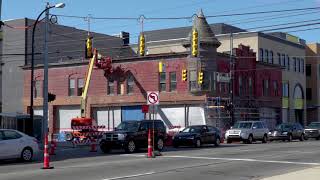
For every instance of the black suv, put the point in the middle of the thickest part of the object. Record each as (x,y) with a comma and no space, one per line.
(131,135)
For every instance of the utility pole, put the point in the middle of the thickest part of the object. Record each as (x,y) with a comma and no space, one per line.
(231,72)
(45,74)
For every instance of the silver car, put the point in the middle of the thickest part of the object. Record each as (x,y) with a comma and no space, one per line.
(247,132)
(313,130)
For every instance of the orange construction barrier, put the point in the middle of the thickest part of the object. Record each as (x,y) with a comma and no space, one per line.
(150,153)
(93,145)
(46,158)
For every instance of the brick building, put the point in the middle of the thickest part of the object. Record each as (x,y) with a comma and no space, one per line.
(112,99)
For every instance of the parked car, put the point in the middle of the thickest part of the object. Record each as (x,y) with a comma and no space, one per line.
(197,135)
(132,135)
(15,144)
(313,130)
(287,131)
(247,132)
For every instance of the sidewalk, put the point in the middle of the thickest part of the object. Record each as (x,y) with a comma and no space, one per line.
(307,174)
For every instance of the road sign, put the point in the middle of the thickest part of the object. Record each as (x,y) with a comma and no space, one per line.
(145,108)
(153,98)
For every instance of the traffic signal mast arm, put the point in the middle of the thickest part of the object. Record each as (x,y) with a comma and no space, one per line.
(87,83)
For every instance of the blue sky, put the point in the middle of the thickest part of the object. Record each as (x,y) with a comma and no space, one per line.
(13,9)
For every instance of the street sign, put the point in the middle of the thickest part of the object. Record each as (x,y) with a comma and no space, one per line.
(145,108)
(223,77)
(153,97)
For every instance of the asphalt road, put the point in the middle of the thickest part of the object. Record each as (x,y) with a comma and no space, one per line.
(230,161)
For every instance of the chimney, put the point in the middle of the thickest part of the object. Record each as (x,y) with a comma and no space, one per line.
(125,36)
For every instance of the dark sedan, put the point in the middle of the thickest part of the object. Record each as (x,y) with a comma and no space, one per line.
(287,131)
(313,130)
(197,135)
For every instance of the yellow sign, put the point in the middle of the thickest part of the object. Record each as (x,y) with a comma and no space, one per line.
(292,38)
(298,103)
(285,102)
(162,66)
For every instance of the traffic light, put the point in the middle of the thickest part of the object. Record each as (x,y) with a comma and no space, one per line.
(51,97)
(184,75)
(200,77)
(142,45)
(194,43)
(88,49)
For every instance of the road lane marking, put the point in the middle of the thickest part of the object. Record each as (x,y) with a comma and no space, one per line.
(247,160)
(131,176)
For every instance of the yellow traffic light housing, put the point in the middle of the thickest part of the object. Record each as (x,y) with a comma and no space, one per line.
(184,75)
(88,50)
(141,45)
(200,77)
(195,41)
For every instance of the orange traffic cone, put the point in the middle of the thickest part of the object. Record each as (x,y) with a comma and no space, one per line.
(46,158)
(150,153)
(93,145)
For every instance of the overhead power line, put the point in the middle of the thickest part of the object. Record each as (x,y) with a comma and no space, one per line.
(189,17)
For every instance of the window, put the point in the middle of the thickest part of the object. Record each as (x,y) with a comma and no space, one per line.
(308,70)
(220,87)
(240,86)
(110,90)
(283,60)
(173,81)
(271,57)
(206,81)
(295,64)
(288,62)
(266,55)
(72,87)
(250,86)
(285,89)
(261,54)
(298,64)
(275,88)
(120,88)
(213,78)
(302,65)
(309,93)
(162,81)
(80,86)
(193,80)
(130,84)
(11,135)
(37,90)
(265,88)
(279,58)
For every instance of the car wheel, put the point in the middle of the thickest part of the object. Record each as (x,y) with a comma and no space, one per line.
(265,139)
(27,154)
(197,144)
(229,141)
(131,147)
(160,144)
(290,138)
(302,137)
(217,142)
(318,138)
(104,148)
(250,139)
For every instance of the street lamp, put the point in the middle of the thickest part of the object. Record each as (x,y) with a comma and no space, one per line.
(59,5)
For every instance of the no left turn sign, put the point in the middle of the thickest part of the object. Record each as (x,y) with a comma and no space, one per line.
(153,98)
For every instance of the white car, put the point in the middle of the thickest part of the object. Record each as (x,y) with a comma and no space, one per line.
(15,144)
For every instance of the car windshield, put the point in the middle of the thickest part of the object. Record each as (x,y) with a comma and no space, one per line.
(283,127)
(314,125)
(128,126)
(195,129)
(243,125)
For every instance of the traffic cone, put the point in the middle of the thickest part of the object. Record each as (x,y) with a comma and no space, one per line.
(46,158)
(93,145)
(150,153)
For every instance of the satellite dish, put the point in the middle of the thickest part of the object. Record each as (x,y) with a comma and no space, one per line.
(54,19)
